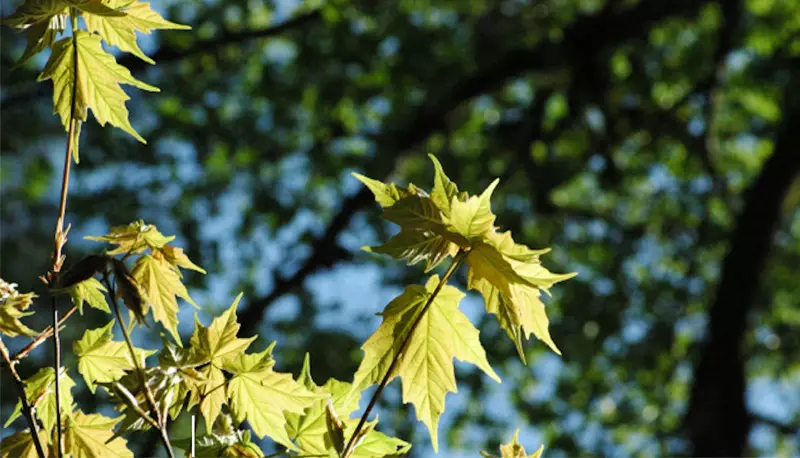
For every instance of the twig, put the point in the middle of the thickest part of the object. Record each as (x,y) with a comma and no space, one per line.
(450,271)
(27,410)
(40,339)
(160,420)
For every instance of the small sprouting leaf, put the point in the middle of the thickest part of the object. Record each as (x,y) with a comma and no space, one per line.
(416,246)
(98,90)
(426,365)
(514,450)
(40,391)
(90,436)
(12,308)
(473,218)
(161,284)
(335,427)
(100,359)
(444,190)
(385,194)
(20,445)
(130,291)
(90,291)
(83,270)
(218,341)
(264,397)
(120,30)
(169,392)
(134,238)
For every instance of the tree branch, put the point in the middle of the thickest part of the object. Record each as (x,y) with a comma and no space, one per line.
(717,420)
(582,40)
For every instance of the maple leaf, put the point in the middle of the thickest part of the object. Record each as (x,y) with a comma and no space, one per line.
(134,238)
(91,436)
(509,277)
(211,395)
(40,391)
(426,365)
(472,218)
(120,30)
(162,285)
(100,359)
(263,397)
(444,190)
(20,445)
(98,90)
(91,292)
(177,258)
(236,444)
(416,246)
(385,194)
(167,385)
(12,308)
(42,20)
(312,433)
(218,341)
(514,450)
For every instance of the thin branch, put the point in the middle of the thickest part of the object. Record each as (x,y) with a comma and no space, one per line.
(160,419)
(27,409)
(40,339)
(783,428)
(400,350)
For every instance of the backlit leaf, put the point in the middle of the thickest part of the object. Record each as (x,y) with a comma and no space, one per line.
(87,436)
(473,218)
(41,393)
(444,190)
(218,341)
(120,31)
(91,292)
(426,365)
(12,308)
(161,284)
(416,246)
(134,238)
(264,397)
(98,90)
(20,445)
(514,450)
(100,359)
(385,194)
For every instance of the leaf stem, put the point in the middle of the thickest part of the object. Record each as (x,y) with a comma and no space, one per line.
(160,420)
(385,381)
(27,410)
(40,339)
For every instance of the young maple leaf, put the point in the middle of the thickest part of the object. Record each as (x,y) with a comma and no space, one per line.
(426,364)
(515,450)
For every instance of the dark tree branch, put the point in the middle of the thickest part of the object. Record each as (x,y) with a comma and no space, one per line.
(24,96)
(717,420)
(582,41)
(783,428)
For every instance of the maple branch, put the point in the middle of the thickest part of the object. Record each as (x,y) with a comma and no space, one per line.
(27,409)
(399,354)
(160,420)
(582,41)
(39,339)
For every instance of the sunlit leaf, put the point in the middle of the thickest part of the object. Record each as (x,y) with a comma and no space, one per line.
(162,285)
(98,90)
(514,450)
(134,238)
(90,436)
(12,308)
(100,359)
(41,393)
(91,292)
(426,365)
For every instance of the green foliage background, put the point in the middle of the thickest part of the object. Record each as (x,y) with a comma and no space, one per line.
(626,135)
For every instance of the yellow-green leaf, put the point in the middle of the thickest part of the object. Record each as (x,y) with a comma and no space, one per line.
(416,246)
(385,194)
(416,212)
(264,397)
(473,218)
(161,285)
(178,258)
(12,308)
(134,238)
(98,82)
(120,31)
(89,436)
(40,391)
(20,445)
(211,395)
(91,292)
(426,365)
(444,190)
(100,359)
(515,450)
(218,341)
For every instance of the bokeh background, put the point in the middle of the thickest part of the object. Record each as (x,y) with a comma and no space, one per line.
(652,143)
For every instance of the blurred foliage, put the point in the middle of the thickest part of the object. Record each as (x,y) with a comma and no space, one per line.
(624,132)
